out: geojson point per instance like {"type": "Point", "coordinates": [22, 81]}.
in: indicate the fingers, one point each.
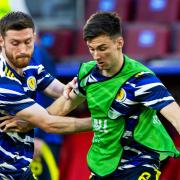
{"type": "Point", "coordinates": [66, 92]}
{"type": "Point", "coordinates": [15, 125]}
{"type": "Point", "coordinates": [74, 80]}
{"type": "Point", "coordinates": [9, 126]}
{"type": "Point", "coordinates": [5, 118]}
{"type": "Point", "coordinates": [3, 124]}
{"type": "Point", "coordinates": [7, 122]}
{"type": "Point", "coordinates": [68, 88]}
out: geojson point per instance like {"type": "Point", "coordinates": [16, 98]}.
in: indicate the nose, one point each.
{"type": "Point", "coordinates": [96, 55]}
{"type": "Point", "coordinates": [22, 48]}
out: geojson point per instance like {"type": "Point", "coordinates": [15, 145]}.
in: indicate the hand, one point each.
{"type": "Point", "coordinates": [69, 86]}
{"type": "Point", "coordinates": [5, 118]}
{"type": "Point", "coordinates": [3, 121]}
{"type": "Point", "coordinates": [37, 147]}
{"type": "Point", "coordinates": [15, 125]}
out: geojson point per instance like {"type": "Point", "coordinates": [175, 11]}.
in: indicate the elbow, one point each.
{"type": "Point", "coordinates": [45, 124]}
{"type": "Point", "coordinates": [46, 127]}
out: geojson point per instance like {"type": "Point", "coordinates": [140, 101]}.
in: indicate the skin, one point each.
{"type": "Point", "coordinates": [17, 48]}
{"type": "Point", "coordinates": [107, 53]}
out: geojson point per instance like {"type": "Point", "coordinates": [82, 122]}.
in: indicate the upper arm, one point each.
{"type": "Point", "coordinates": [172, 113]}
{"type": "Point", "coordinates": [54, 89]}
{"type": "Point", "coordinates": [151, 92]}
{"type": "Point", "coordinates": [34, 114]}
{"type": "Point", "coordinates": [44, 79]}
{"type": "Point", "coordinates": [13, 97]}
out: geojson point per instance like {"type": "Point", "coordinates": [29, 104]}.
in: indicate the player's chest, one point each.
{"type": "Point", "coordinates": [29, 84]}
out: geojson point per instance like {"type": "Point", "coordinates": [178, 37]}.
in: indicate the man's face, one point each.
{"type": "Point", "coordinates": [106, 51]}
{"type": "Point", "coordinates": [18, 47]}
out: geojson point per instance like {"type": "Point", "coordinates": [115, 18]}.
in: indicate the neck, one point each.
{"type": "Point", "coordinates": [18, 70]}
{"type": "Point", "coordinates": [115, 67]}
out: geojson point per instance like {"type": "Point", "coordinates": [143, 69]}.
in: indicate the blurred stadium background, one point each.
{"type": "Point", "coordinates": [152, 35]}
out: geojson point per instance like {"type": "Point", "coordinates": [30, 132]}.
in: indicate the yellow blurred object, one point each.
{"type": "Point", "coordinates": [4, 7]}
{"type": "Point", "coordinates": [47, 155]}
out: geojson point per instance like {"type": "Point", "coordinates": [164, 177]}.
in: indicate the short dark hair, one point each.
{"type": "Point", "coordinates": [102, 23]}
{"type": "Point", "coordinates": [15, 21]}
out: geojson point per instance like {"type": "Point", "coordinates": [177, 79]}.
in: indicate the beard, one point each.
{"type": "Point", "coordinates": [20, 61]}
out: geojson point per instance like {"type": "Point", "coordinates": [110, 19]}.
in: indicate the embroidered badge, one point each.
{"type": "Point", "coordinates": [31, 83]}
{"type": "Point", "coordinates": [121, 96]}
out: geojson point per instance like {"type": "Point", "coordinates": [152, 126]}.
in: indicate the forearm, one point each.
{"type": "Point", "coordinates": [54, 124]}
{"type": "Point", "coordinates": [62, 106]}
{"type": "Point", "coordinates": [66, 125]}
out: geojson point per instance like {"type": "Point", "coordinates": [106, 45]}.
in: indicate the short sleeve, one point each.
{"type": "Point", "coordinates": [151, 92]}
{"type": "Point", "coordinates": [12, 97]}
{"type": "Point", "coordinates": [43, 78]}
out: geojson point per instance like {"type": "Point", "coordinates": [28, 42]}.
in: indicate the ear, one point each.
{"type": "Point", "coordinates": [1, 41]}
{"type": "Point", "coordinates": [120, 42]}
{"type": "Point", "coordinates": [35, 35]}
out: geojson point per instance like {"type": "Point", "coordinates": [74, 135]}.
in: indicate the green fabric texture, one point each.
{"type": "Point", "coordinates": [106, 151]}
{"type": "Point", "coordinates": [150, 130]}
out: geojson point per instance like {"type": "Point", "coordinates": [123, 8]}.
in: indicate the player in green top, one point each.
{"type": "Point", "coordinates": [123, 97]}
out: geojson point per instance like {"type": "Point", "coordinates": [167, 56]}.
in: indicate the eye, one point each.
{"type": "Point", "coordinates": [15, 43]}
{"type": "Point", "coordinates": [103, 48]}
{"type": "Point", "coordinates": [91, 49]}
{"type": "Point", "coordinates": [28, 41]}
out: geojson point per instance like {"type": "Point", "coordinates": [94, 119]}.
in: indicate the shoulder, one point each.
{"type": "Point", "coordinates": [7, 76]}
{"type": "Point", "coordinates": [144, 78]}
{"type": "Point", "coordinates": [85, 68]}
{"type": "Point", "coordinates": [8, 83]}
{"type": "Point", "coordinates": [34, 67]}
{"type": "Point", "coordinates": [88, 65]}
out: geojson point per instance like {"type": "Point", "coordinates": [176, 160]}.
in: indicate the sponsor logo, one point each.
{"type": "Point", "coordinates": [144, 176]}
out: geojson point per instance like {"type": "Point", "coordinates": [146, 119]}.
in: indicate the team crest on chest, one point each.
{"type": "Point", "coordinates": [31, 83]}
{"type": "Point", "coordinates": [121, 96]}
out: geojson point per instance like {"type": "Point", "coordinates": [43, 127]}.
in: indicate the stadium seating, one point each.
{"type": "Point", "coordinates": [80, 47]}
{"type": "Point", "coordinates": [165, 11]}
{"type": "Point", "coordinates": [146, 41]}
{"type": "Point", "coordinates": [57, 42]}
{"type": "Point", "coordinates": [122, 7]}
{"type": "Point", "coordinates": [177, 38]}
{"type": "Point", "coordinates": [174, 43]}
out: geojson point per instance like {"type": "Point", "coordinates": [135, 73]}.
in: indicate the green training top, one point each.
{"type": "Point", "coordinates": [106, 151]}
